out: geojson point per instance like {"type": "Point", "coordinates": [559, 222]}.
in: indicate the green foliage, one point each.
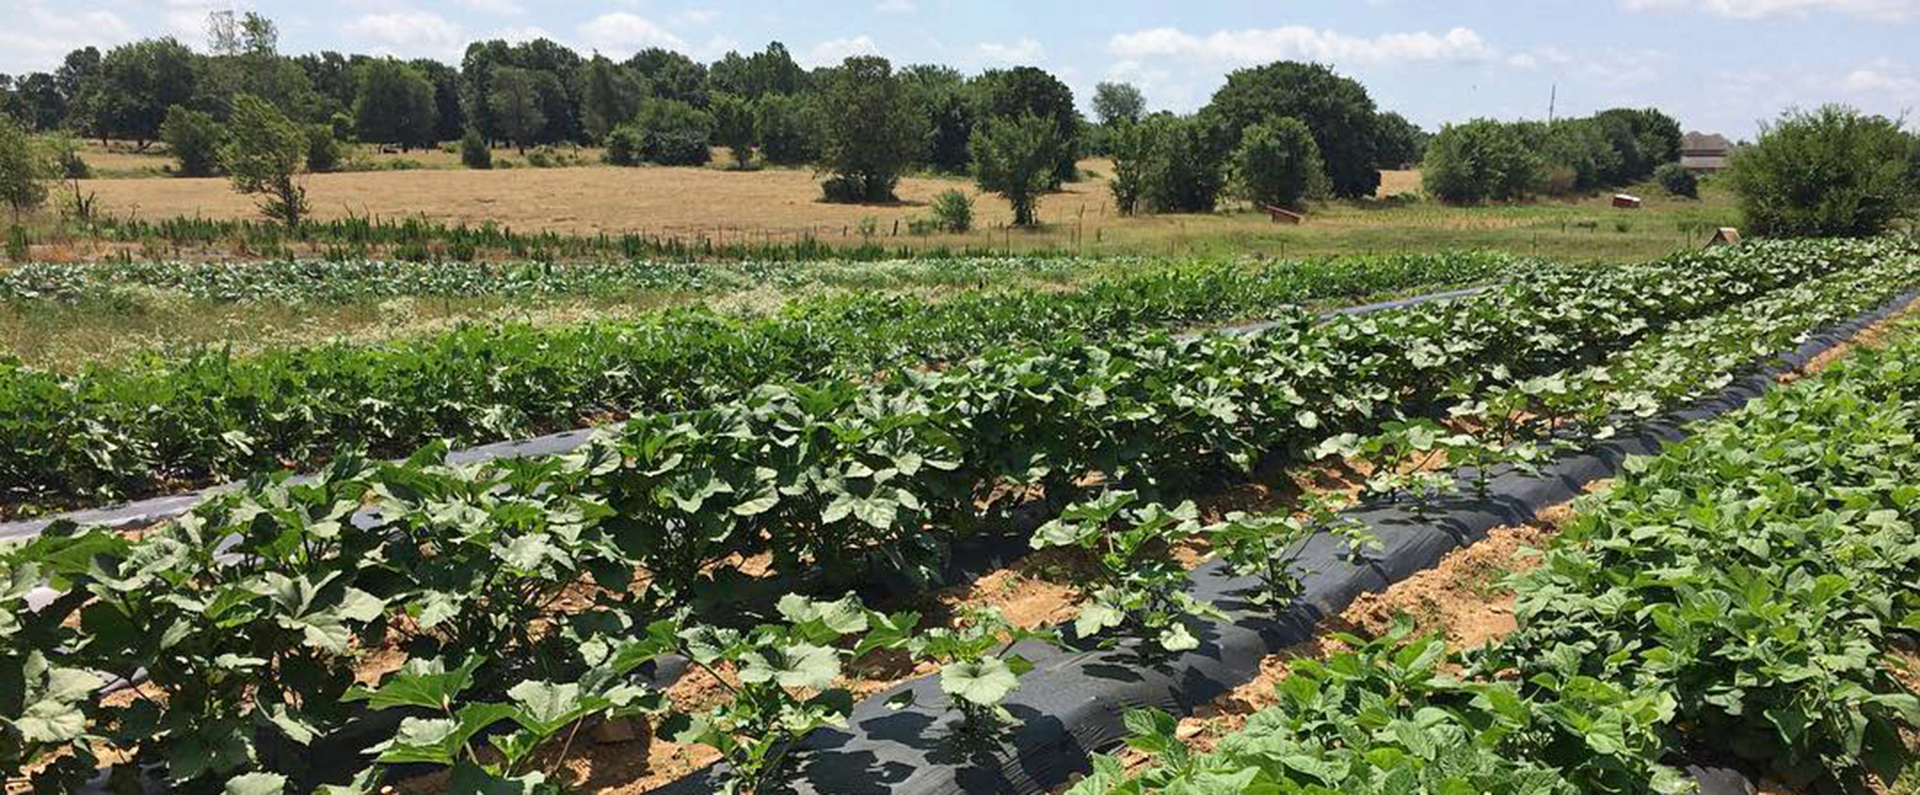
{"type": "Point", "coordinates": [869, 132]}
{"type": "Point", "coordinates": [323, 152]}
{"type": "Point", "coordinates": [786, 128]}
{"type": "Point", "coordinates": [1478, 161]}
{"type": "Point", "coordinates": [1336, 109]}
{"type": "Point", "coordinates": [263, 156]}
{"type": "Point", "coordinates": [19, 249]}
{"type": "Point", "coordinates": [1832, 171]}
{"type": "Point", "coordinates": [136, 87]}
{"type": "Point", "coordinates": [394, 105]}
{"type": "Point", "coordinates": [978, 668]}
{"type": "Point", "coordinates": [1168, 163]}
{"type": "Point", "coordinates": [1016, 158]}
{"type": "Point", "coordinates": [1268, 547]}
{"type": "Point", "coordinates": [1278, 163]}
{"type": "Point", "coordinates": [514, 100]}
{"type": "Point", "coordinates": [789, 679]}
{"type": "Point", "coordinates": [953, 211]}
{"type": "Point", "coordinates": [1402, 144]}
{"type": "Point", "coordinates": [950, 106]}
{"type": "Point", "coordinates": [733, 127]}
{"type": "Point", "coordinates": [609, 95]}
{"type": "Point", "coordinates": [474, 152]}
{"type": "Point", "coordinates": [23, 174]}
{"type": "Point", "coordinates": [1009, 94]}
{"type": "Point", "coordinates": [1677, 181]}
{"type": "Point", "coordinates": [1641, 139]}
{"type": "Point", "coordinates": [626, 146]}
{"type": "Point", "coordinates": [675, 133]}
{"type": "Point", "coordinates": [1137, 586]}
{"type": "Point", "coordinates": [195, 139]}
{"type": "Point", "coordinates": [1118, 103]}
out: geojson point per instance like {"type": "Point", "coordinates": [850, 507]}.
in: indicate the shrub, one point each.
{"type": "Point", "coordinates": [22, 174]}
{"type": "Point", "coordinates": [1480, 160]}
{"type": "Point", "coordinates": [1677, 180]}
{"type": "Point", "coordinates": [733, 126]}
{"type": "Point", "coordinates": [953, 211]}
{"type": "Point", "coordinates": [1829, 172]}
{"type": "Point", "coordinates": [676, 133]}
{"type": "Point", "coordinates": [323, 151]}
{"type": "Point", "coordinates": [17, 245]}
{"type": "Point", "coordinates": [1278, 163]}
{"type": "Point", "coordinates": [474, 152]}
{"type": "Point", "coordinates": [63, 155]}
{"type": "Point", "coordinates": [195, 139]}
{"type": "Point", "coordinates": [844, 189]}
{"type": "Point", "coordinates": [547, 156]}
{"type": "Point", "coordinates": [626, 146]}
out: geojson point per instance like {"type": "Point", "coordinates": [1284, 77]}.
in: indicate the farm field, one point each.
{"type": "Point", "coordinates": [784, 206]}
{"type": "Point", "coordinates": [745, 582]}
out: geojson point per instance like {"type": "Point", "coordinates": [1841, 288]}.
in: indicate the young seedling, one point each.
{"type": "Point", "coordinates": [1138, 586]}
{"type": "Point", "coordinates": [1268, 546]}
{"type": "Point", "coordinates": [977, 668]}
{"type": "Point", "coordinates": [787, 676]}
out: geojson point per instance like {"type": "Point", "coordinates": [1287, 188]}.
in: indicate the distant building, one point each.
{"type": "Point", "coordinates": [1704, 152]}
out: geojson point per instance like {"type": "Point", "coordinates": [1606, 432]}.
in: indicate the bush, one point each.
{"type": "Point", "coordinates": [626, 146]}
{"type": "Point", "coordinates": [195, 139]}
{"type": "Point", "coordinates": [323, 151]}
{"type": "Point", "coordinates": [1829, 172]}
{"type": "Point", "coordinates": [1481, 160]}
{"type": "Point", "coordinates": [546, 156]}
{"type": "Point", "coordinates": [1677, 181]}
{"type": "Point", "coordinates": [676, 133]}
{"type": "Point", "coordinates": [1278, 163]}
{"type": "Point", "coordinates": [953, 211]}
{"type": "Point", "coordinates": [845, 189]}
{"type": "Point", "coordinates": [18, 249]}
{"type": "Point", "coordinates": [474, 152]}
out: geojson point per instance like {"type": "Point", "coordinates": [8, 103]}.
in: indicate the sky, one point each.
{"type": "Point", "coordinates": [1718, 65]}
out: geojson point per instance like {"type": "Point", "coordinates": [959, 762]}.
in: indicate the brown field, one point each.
{"type": "Point", "coordinates": [778, 205]}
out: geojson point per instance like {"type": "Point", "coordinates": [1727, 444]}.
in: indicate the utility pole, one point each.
{"type": "Point", "coordinates": [1553, 98]}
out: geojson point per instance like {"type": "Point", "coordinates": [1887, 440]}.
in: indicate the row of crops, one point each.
{"type": "Point", "coordinates": [526, 595]}
{"type": "Point", "coordinates": [108, 432]}
{"type": "Point", "coordinates": [298, 281]}
{"type": "Point", "coordinates": [1736, 598]}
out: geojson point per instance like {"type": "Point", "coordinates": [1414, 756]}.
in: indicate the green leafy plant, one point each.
{"type": "Point", "coordinates": [785, 680]}
{"type": "Point", "coordinates": [1137, 586]}
{"type": "Point", "coordinates": [1268, 546]}
{"type": "Point", "coordinates": [978, 667]}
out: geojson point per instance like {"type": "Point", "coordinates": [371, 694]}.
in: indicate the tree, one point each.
{"type": "Point", "coordinates": [869, 132]}
{"type": "Point", "coordinates": [1676, 180]}
{"type": "Point", "coordinates": [1642, 140]}
{"type": "Point", "coordinates": [22, 174]}
{"type": "Point", "coordinates": [263, 156]}
{"type": "Point", "coordinates": [1168, 163]}
{"type": "Point", "coordinates": [1015, 158]}
{"type": "Point", "coordinates": [733, 126]}
{"type": "Point", "coordinates": [138, 83]}
{"type": "Point", "coordinates": [1022, 90]}
{"type": "Point", "coordinates": [195, 138]}
{"type": "Point", "coordinates": [1278, 163]}
{"type": "Point", "coordinates": [770, 71]}
{"type": "Point", "coordinates": [1337, 110]}
{"type": "Point", "coordinates": [450, 120]}
{"type": "Point", "coordinates": [1401, 143]}
{"type": "Point", "coordinates": [940, 94]}
{"type": "Point", "coordinates": [786, 128]}
{"type": "Point", "coordinates": [609, 94]}
{"type": "Point", "coordinates": [513, 101]}
{"type": "Point", "coordinates": [1480, 160]}
{"type": "Point", "coordinates": [670, 75]}
{"type": "Point", "coordinates": [1828, 172]}
{"type": "Point", "coordinates": [395, 105]}
{"type": "Point", "coordinates": [1118, 102]}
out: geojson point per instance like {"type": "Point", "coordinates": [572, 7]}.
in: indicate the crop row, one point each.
{"type": "Point", "coordinates": [114, 432]}
{"type": "Point", "coordinates": [1736, 599]}
{"type": "Point", "coordinates": [527, 590]}
{"type": "Point", "coordinates": [306, 280]}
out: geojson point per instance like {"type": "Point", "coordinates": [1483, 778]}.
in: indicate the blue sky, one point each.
{"type": "Point", "coordinates": [1719, 65]}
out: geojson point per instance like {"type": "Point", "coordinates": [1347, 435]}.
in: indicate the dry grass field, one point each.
{"type": "Point", "coordinates": [777, 205]}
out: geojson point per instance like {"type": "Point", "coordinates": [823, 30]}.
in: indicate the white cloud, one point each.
{"type": "Point", "coordinates": [832, 51]}
{"type": "Point", "coordinates": [1885, 77]}
{"type": "Point", "coordinates": [53, 34]}
{"type": "Point", "coordinates": [621, 31]}
{"type": "Point", "coordinates": [693, 18]}
{"type": "Point", "coordinates": [505, 8]}
{"type": "Point", "coordinates": [894, 7]}
{"type": "Point", "coordinates": [1294, 42]}
{"type": "Point", "coordinates": [1886, 10]}
{"type": "Point", "coordinates": [522, 34]}
{"type": "Point", "coordinates": [408, 32]}
{"type": "Point", "coordinates": [1024, 52]}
